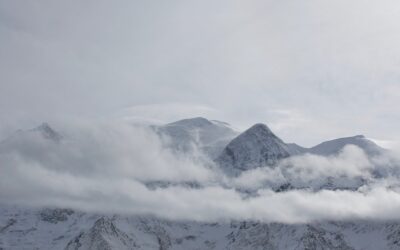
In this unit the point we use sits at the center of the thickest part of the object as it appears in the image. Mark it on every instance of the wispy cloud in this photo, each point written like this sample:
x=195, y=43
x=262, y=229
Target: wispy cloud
x=105, y=168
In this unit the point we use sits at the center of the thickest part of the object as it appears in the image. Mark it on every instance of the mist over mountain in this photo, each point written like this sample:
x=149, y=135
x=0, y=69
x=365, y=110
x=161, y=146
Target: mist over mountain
x=193, y=183
x=197, y=133
x=334, y=146
x=191, y=125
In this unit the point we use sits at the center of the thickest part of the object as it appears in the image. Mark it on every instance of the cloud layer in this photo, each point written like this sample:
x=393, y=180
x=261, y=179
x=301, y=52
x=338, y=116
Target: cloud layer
x=108, y=167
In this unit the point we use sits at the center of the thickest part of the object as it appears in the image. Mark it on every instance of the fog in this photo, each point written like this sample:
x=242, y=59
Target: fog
x=107, y=167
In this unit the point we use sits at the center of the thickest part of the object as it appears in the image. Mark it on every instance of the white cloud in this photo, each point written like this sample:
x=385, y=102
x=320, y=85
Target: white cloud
x=103, y=168
x=314, y=69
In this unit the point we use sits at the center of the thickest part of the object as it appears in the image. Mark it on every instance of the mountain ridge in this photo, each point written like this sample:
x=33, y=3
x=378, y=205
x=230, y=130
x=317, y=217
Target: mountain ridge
x=258, y=146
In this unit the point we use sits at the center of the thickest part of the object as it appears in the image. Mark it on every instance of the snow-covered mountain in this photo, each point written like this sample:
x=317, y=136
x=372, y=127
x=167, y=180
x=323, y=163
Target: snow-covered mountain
x=258, y=146
x=210, y=136
x=334, y=146
x=253, y=148
x=57, y=229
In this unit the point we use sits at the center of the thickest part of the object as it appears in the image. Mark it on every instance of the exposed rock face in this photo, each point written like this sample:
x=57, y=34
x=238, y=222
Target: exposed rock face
x=316, y=238
x=104, y=235
x=47, y=132
x=55, y=215
x=23, y=229
x=256, y=147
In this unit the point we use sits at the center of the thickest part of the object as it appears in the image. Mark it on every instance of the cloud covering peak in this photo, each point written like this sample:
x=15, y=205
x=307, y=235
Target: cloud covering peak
x=119, y=168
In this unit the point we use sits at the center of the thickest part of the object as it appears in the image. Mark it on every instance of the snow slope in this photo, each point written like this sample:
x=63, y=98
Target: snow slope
x=26, y=228
x=334, y=146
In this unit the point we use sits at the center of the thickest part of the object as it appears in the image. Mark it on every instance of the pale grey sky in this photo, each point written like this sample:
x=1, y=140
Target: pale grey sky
x=310, y=69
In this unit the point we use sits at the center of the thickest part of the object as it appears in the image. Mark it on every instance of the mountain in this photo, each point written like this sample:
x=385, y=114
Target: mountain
x=103, y=235
x=26, y=228
x=47, y=132
x=22, y=140
x=55, y=228
x=212, y=137
x=43, y=131
x=260, y=147
x=255, y=147
x=333, y=147
x=209, y=136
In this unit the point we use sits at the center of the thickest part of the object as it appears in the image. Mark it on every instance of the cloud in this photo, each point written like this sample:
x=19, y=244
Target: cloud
x=285, y=63
x=107, y=167
x=351, y=161
x=349, y=169
x=105, y=150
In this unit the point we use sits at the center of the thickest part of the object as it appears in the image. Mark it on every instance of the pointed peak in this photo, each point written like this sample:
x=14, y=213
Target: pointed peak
x=256, y=147
x=259, y=128
x=47, y=131
x=43, y=126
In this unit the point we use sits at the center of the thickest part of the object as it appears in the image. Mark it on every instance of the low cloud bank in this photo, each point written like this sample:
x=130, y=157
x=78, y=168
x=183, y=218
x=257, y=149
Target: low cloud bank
x=107, y=168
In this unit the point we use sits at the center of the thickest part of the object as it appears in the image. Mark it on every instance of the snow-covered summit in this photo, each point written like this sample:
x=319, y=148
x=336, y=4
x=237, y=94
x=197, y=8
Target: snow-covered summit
x=335, y=146
x=200, y=133
x=195, y=122
x=256, y=147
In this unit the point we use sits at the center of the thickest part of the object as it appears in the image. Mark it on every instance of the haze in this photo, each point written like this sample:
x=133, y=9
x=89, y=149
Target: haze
x=312, y=70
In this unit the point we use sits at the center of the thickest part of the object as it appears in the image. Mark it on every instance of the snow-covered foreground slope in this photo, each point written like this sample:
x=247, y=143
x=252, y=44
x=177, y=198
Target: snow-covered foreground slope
x=66, y=229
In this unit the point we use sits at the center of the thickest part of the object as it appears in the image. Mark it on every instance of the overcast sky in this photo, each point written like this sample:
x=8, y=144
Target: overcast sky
x=312, y=70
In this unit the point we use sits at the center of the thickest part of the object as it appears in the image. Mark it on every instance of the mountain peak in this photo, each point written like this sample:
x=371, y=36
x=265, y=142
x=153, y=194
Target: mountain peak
x=43, y=127
x=259, y=128
x=255, y=147
x=193, y=122
x=333, y=147
x=47, y=132
x=197, y=133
